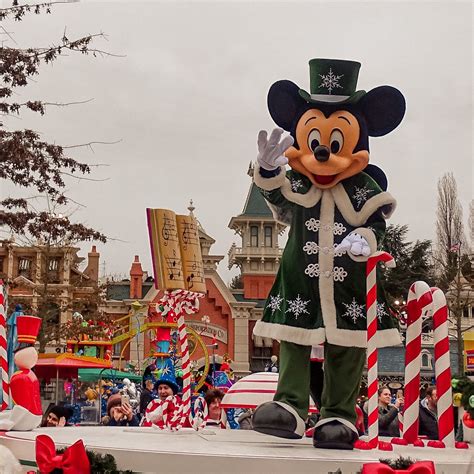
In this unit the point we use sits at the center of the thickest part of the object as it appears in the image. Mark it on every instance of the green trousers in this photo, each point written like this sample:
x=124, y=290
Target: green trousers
x=343, y=368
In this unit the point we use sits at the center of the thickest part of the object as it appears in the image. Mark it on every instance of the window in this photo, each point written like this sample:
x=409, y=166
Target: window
x=24, y=267
x=260, y=358
x=426, y=359
x=117, y=349
x=268, y=236
x=253, y=236
x=53, y=269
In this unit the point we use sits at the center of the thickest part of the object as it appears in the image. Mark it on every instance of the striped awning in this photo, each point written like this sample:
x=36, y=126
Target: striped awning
x=253, y=390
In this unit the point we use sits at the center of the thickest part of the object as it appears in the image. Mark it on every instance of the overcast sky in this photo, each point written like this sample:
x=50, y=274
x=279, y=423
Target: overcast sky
x=187, y=98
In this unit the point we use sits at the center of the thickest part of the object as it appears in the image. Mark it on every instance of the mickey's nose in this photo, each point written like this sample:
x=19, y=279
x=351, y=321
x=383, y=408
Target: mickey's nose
x=321, y=153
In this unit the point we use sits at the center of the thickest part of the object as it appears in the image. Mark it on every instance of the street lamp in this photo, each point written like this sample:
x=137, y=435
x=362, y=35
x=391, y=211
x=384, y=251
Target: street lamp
x=136, y=307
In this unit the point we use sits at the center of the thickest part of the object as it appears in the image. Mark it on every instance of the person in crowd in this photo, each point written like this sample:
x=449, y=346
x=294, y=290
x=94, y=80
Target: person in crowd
x=428, y=414
x=56, y=417
x=217, y=416
x=119, y=412
x=388, y=413
x=148, y=393
x=165, y=389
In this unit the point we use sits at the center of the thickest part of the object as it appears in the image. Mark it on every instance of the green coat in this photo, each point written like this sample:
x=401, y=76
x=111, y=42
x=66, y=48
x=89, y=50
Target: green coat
x=320, y=295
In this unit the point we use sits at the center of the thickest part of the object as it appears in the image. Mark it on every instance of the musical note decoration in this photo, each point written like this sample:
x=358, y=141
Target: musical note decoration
x=176, y=252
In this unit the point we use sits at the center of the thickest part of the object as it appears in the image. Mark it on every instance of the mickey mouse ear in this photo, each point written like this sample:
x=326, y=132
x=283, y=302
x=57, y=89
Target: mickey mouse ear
x=284, y=101
x=383, y=109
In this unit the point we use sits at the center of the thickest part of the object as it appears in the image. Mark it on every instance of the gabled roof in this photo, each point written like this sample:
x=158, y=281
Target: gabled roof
x=255, y=205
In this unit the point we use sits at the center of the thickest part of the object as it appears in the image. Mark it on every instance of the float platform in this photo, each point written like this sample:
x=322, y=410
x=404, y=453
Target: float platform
x=224, y=451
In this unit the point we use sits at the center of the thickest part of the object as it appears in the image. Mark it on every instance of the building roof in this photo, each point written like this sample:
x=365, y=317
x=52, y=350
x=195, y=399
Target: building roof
x=120, y=290
x=255, y=205
x=240, y=297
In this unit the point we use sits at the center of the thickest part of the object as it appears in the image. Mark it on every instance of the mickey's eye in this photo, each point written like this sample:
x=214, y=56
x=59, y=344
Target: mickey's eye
x=314, y=139
x=336, y=141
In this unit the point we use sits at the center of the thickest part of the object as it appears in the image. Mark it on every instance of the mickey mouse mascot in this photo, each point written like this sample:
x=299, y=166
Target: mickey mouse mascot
x=336, y=204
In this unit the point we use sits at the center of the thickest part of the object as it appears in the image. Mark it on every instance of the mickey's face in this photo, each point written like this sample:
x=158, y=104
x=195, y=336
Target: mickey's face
x=326, y=148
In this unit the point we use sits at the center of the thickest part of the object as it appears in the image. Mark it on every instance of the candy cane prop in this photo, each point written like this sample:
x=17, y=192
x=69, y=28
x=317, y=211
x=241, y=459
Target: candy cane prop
x=418, y=303
x=3, y=349
x=442, y=369
x=372, y=355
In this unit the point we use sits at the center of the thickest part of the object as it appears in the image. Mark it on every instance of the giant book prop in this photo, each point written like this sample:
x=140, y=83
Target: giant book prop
x=175, y=249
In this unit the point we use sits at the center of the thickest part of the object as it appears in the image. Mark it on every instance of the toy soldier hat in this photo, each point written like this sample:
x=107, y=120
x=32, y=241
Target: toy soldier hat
x=28, y=328
x=332, y=81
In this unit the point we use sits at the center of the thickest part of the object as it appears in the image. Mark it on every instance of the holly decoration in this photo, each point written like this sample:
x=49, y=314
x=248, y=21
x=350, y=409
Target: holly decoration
x=465, y=387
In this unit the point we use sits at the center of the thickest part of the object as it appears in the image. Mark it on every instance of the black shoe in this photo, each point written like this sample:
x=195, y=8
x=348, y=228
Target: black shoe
x=334, y=435
x=278, y=419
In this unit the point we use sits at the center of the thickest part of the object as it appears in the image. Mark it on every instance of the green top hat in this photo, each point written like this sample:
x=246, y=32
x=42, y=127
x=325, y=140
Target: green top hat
x=332, y=81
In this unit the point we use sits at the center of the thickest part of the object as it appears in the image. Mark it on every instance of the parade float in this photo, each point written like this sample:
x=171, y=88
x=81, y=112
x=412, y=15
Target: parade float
x=336, y=258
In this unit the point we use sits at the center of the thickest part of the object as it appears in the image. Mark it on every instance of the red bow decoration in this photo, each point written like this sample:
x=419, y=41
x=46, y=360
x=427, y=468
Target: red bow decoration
x=73, y=461
x=422, y=467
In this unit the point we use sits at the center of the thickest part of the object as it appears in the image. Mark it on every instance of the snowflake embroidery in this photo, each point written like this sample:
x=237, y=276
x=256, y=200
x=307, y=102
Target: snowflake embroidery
x=296, y=184
x=311, y=248
x=339, y=274
x=165, y=370
x=361, y=195
x=330, y=81
x=275, y=302
x=339, y=253
x=354, y=311
x=312, y=270
x=381, y=312
x=313, y=224
x=297, y=306
x=338, y=228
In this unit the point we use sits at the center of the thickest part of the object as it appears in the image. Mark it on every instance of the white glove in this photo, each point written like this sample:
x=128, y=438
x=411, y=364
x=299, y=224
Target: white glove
x=355, y=244
x=270, y=152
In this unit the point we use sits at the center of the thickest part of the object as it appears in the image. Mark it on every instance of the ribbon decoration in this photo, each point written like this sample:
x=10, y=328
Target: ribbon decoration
x=421, y=467
x=74, y=460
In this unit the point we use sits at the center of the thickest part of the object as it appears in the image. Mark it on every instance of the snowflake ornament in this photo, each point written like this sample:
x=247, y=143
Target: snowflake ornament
x=297, y=306
x=354, y=311
x=311, y=248
x=313, y=224
x=361, y=195
x=330, y=81
x=381, y=311
x=296, y=184
x=275, y=302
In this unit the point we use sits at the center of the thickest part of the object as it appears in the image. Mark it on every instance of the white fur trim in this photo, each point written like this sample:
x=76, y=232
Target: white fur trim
x=281, y=215
x=282, y=332
x=340, y=420
x=269, y=184
x=300, y=426
x=369, y=236
x=336, y=336
x=310, y=199
x=359, y=218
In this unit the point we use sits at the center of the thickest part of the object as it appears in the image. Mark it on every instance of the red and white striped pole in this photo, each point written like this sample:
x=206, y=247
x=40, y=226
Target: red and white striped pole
x=418, y=303
x=3, y=348
x=443, y=369
x=372, y=355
